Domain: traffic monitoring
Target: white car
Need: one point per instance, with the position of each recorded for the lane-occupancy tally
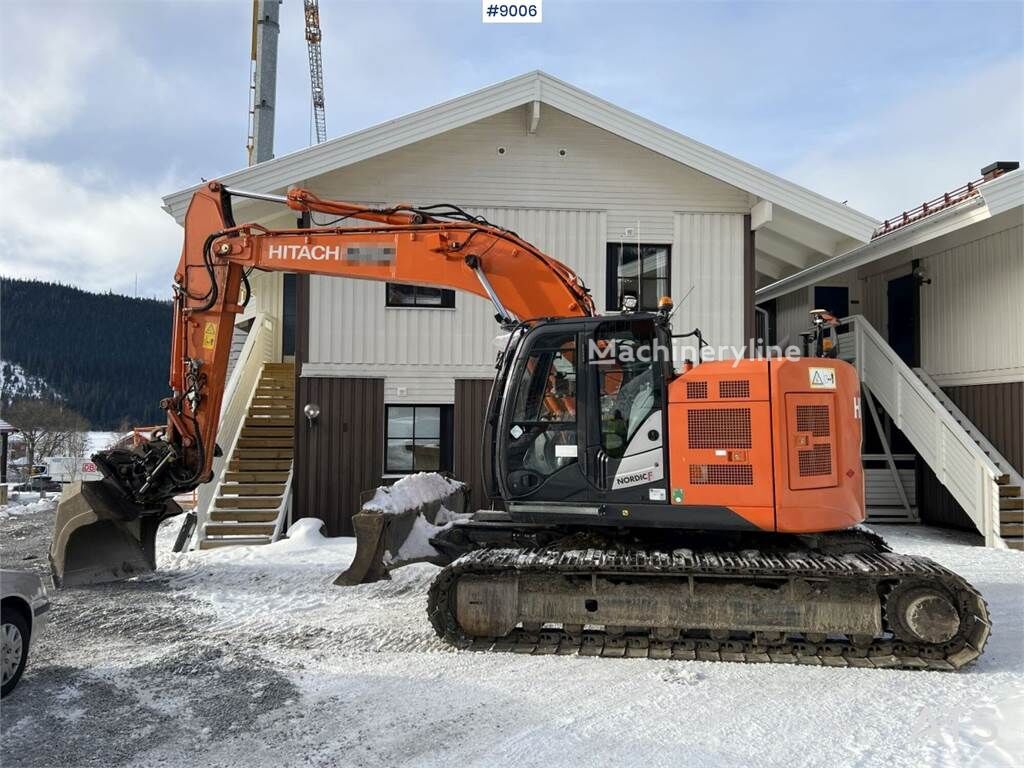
(23, 610)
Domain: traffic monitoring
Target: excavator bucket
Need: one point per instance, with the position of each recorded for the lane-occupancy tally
(394, 527)
(100, 536)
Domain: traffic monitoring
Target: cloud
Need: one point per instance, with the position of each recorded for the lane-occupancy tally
(43, 99)
(84, 230)
(915, 149)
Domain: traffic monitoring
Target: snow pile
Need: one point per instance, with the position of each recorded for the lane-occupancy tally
(412, 492)
(26, 504)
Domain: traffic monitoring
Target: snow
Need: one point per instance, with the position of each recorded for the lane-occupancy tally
(25, 503)
(367, 658)
(15, 382)
(411, 492)
(100, 441)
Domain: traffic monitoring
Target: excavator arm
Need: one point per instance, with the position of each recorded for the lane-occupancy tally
(106, 528)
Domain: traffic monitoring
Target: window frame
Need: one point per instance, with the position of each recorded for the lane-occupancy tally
(613, 258)
(445, 438)
(447, 297)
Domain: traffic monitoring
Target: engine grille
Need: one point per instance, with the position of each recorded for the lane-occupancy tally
(813, 419)
(714, 428)
(721, 474)
(697, 390)
(739, 388)
(817, 461)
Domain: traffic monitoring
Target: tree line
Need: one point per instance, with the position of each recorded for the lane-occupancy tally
(102, 356)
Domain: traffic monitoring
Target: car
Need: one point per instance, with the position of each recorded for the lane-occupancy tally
(38, 483)
(24, 605)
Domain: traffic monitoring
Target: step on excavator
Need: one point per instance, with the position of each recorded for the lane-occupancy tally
(706, 511)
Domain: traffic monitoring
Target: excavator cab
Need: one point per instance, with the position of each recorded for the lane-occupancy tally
(577, 415)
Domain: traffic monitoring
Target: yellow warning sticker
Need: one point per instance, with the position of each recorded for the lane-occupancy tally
(822, 378)
(209, 335)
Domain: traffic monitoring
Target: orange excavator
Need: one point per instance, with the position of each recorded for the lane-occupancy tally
(705, 511)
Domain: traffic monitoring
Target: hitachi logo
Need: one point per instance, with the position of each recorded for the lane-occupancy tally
(371, 253)
(309, 252)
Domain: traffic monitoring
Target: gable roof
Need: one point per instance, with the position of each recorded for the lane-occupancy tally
(843, 223)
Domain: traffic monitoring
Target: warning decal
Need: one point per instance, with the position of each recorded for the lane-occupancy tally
(209, 335)
(822, 378)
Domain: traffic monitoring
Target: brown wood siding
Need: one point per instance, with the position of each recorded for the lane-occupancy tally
(342, 453)
(998, 411)
(471, 397)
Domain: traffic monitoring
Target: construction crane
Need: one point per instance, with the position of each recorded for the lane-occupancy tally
(316, 67)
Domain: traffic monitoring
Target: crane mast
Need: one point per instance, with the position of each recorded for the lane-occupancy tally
(316, 67)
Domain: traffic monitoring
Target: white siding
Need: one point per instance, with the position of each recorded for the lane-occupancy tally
(352, 333)
(268, 298)
(792, 316)
(972, 313)
(708, 255)
(570, 206)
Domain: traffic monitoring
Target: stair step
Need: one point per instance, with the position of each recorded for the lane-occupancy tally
(247, 464)
(240, 529)
(262, 419)
(1011, 529)
(249, 476)
(259, 454)
(1011, 516)
(1006, 504)
(268, 433)
(1015, 543)
(1002, 480)
(1009, 490)
(283, 441)
(252, 489)
(244, 515)
(247, 502)
(234, 542)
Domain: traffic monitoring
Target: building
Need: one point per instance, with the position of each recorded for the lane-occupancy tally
(940, 288)
(399, 375)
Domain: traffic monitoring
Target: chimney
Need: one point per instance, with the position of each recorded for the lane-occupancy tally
(998, 168)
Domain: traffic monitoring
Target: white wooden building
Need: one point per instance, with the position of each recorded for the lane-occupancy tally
(938, 332)
(584, 179)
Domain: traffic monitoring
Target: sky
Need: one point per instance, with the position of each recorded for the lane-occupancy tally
(105, 107)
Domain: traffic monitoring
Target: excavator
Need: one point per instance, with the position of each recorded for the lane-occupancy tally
(700, 509)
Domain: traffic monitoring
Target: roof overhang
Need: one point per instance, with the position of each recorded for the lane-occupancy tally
(994, 197)
(797, 227)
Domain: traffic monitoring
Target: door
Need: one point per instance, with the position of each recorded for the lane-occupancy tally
(538, 448)
(903, 318)
(625, 446)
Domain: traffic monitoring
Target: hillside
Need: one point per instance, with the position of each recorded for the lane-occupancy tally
(102, 354)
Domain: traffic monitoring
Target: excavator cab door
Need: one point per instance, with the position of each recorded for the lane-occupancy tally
(538, 437)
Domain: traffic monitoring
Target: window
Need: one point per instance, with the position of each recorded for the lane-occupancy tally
(542, 436)
(627, 385)
(402, 295)
(419, 438)
(640, 270)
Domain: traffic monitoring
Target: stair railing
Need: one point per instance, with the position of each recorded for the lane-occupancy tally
(958, 462)
(257, 350)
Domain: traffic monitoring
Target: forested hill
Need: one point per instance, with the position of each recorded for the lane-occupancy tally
(105, 355)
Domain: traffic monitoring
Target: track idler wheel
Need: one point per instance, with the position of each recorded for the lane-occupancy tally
(923, 614)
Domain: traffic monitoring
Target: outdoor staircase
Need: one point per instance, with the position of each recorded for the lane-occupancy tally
(1009, 481)
(252, 497)
(982, 481)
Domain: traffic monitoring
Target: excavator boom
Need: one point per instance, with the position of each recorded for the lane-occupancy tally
(105, 528)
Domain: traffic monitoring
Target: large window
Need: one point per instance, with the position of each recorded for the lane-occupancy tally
(419, 439)
(640, 270)
(402, 295)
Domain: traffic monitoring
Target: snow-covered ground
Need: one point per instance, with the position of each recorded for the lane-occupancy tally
(251, 656)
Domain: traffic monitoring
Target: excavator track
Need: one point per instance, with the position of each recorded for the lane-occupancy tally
(898, 589)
